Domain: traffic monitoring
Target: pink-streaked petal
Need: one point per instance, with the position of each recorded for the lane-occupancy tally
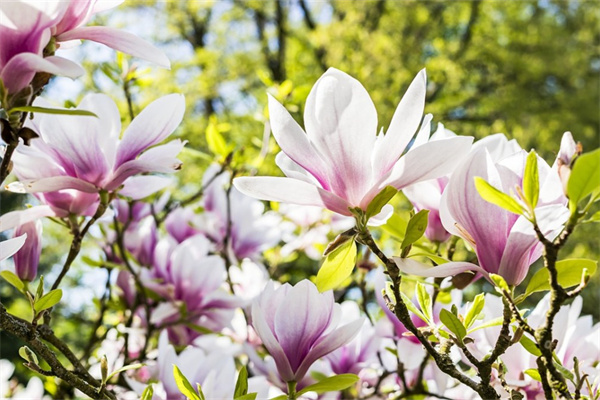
(162, 159)
(11, 246)
(138, 187)
(76, 14)
(157, 121)
(289, 190)
(341, 123)
(13, 219)
(414, 267)
(52, 184)
(334, 340)
(498, 146)
(423, 134)
(381, 218)
(517, 253)
(19, 71)
(293, 170)
(294, 142)
(403, 126)
(119, 40)
(301, 319)
(429, 161)
(263, 330)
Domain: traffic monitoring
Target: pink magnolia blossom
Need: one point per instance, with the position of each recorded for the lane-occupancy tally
(76, 157)
(298, 325)
(341, 162)
(28, 258)
(11, 246)
(27, 29)
(505, 243)
(568, 151)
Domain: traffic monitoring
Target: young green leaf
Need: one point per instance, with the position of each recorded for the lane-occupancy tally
(241, 386)
(48, 300)
(247, 396)
(415, 228)
(13, 279)
(148, 393)
(39, 293)
(331, 384)
(45, 110)
(534, 374)
(488, 324)
(494, 196)
(584, 178)
(396, 225)
(530, 346)
(411, 307)
(531, 180)
(185, 387)
(453, 324)
(216, 142)
(125, 368)
(337, 267)
(569, 272)
(499, 282)
(424, 299)
(435, 258)
(474, 310)
(380, 200)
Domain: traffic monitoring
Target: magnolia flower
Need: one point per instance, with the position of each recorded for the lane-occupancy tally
(185, 275)
(298, 325)
(30, 31)
(512, 245)
(340, 162)
(564, 160)
(11, 246)
(28, 258)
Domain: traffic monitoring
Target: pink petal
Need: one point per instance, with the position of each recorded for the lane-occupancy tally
(413, 267)
(403, 126)
(20, 217)
(138, 187)
(157, 121)
(11, 246)
(52, 184)
(119, 40)
(293, 170)
(19, 71)
(294, 142)
(341, 123)
(289, 190)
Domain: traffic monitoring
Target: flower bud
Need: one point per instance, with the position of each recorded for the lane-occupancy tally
(27, 259)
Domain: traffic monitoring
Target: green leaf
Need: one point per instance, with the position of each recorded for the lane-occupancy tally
(337, 267)
(28, 355)
(247, 396)
(148, 393)
(241, 386)
(411, 307)
(530, 346)
(185, 387)
(331, 384)
(48, 300)
(216, 142)
(452, 322)
(534, 373)
(125, 368)
(594, 218)
(396, 224)
(531, 180)
(39, 293)
(424, 299)
(474, 310)
(13, 279)
(488, 324)
(499, 282)
(584, 178)
(496, 197)
(380, 200)
(415, 228)
(569, 274)
(45, 110)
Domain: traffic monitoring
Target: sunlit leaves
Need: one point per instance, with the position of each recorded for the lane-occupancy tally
(331, 384)
(337, 267)
(570, 273)
(495, 196)
(584, 178)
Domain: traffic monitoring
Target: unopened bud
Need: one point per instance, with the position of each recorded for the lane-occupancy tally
(104, 368)
(28, 355)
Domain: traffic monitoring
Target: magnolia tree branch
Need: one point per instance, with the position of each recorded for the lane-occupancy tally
(30, 335)
(442, 358)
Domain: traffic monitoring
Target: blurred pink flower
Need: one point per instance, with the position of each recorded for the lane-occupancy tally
(28, 29)
(28, 258)
(298, 325)
(341, 162)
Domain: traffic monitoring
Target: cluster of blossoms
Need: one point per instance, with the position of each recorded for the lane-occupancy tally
(193, 277)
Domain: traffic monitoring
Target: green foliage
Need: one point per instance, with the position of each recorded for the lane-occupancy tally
(531, 180)
(45, 110)
(380, 200)
(453, 324)
(185, 387)
(338, 266)
(585, 177)
(497, 197)
(425, 302)
(415, 229)
(13, 279)
(48, 300)
(570, 273)
(474, 310)
(331, 384)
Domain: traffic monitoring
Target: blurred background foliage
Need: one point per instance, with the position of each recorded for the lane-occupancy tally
(529, 69)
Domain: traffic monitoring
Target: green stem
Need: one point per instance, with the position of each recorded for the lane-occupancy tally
(291, 390)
